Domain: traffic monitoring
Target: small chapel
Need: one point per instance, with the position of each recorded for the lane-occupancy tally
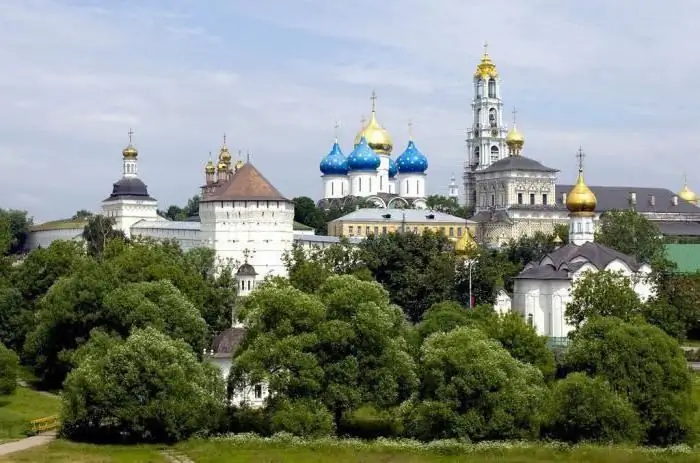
(543, 289)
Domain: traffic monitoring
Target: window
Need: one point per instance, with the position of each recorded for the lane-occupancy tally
(579, 228)
(248, 285)
(258, 391)
(367, 230)
(459, 232)
(493, 200)
(442, 230)
(370, 184)
(494, 153)
(383, 230)
(520, 198)
(376, 230)
(359, 184)
(492, 88)
(417, 188)
(452, 231)
(407, 189)
(544, 199)
(381, 182)
(350, 229)
(529, 319)
(532, 198)
(332, 189)
(242, 285)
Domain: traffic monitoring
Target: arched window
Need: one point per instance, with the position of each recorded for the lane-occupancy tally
(332, 188)
(477, 155)
(407, 188)
(494, 153)
(480, 88)
(417, 187)
(492, 88)
(529, 319)
(359, 184)
(370, 184)
(492, 117)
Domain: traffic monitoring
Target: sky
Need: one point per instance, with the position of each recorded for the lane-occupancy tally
(616, 78)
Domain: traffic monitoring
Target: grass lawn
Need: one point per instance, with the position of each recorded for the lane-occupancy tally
(67, 452)
(17, 410)
(230, 452)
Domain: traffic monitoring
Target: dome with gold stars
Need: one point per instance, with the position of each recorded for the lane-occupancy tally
(378, 138)
(687, 194)
(581, 200)
(486, 68)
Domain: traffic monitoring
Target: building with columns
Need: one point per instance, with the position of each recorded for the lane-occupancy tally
(543, 289)
(370, 172)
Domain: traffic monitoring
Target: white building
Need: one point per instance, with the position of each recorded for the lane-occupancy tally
(543, 289)
(370, 172)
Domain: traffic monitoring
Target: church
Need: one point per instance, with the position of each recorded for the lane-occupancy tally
(513, 195)
(543, 289)
(369, 171)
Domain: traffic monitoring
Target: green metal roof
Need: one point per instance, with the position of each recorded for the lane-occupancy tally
(685, 256)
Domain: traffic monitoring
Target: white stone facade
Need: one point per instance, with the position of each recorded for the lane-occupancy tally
(127, 212)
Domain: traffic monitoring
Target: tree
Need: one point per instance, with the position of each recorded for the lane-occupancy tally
(644, 365)
(98, 232)
(472, 388)
(587, 409)
(82, 214)
(306, 212)
(148, 388)
(676, 305)
(308, 269)
(529, 248)
(491, 271)
(633, 234)
(191, 209)
(602, 293)
(19, 224)
(418, 270)
(9, 369)
(447, 205)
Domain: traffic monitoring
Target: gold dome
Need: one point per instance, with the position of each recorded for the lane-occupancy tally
(466, 243)
(687, 194)
(239, 164)
(557, 240)
(486, 68)
(209, 168)
(222, 166)
(515, 140)
(224, 154)
(377, 137)
(581, 200)
(130, 152)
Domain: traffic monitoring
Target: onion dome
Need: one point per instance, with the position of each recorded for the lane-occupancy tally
(246, 270)
(130, 152)
(465, 244)
(224, 154)
(581, 200)
(687, 194)
(412, 161)
(209, 168)
(515, 140)
(557, 240)
(222, 166)
(363, 157)
(377, 137)
(393, 168)
(239, 164)
(335, 162)
(486, 68)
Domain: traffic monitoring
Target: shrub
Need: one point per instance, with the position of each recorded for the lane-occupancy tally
(9, 369)
(587, 409)
(369, 423)
(302, 417)
(245, 420)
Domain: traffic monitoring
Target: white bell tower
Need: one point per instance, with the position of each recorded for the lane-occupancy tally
(486, 139)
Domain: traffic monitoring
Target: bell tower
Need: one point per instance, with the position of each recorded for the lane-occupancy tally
(486, 139)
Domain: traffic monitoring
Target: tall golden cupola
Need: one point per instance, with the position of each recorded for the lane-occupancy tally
(580, 200)
(224, 154)
(209, 167)
(130, 152)
(486, 68)
(515, 139)
(687, 194)
(377, 137)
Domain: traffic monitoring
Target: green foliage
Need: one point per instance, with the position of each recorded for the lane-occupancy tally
(82, 214)
(491, 272)
(528, 249)
(309, 268)
(98, 232)
(644, 365)
(602, 294)
(148, 388)
(587, 409)
(14, 223)
(632, 234)
(301, 417)
(306, 212)
(447, 205)
(472, 388)
(191, 209)
(9, 369)
(369, 422)
(676, 307)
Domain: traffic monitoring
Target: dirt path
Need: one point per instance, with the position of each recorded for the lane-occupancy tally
(28, 443)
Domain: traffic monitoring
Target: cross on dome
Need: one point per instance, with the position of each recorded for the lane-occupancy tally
(515, 113)
(131, 134)
(374, 100)
(580, 155)
(410, 130)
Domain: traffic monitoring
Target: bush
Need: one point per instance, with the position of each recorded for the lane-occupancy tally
(149, 388)
(302, 417)
(369, 423)
(9, 369)
(587, 409)
(246, 420)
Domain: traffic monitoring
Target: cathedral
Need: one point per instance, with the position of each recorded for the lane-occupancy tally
(513, 195)
(369, 171)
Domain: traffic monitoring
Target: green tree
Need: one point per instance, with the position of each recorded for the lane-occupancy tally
(177, 213)
(98, 232)
(472, 388)
(602, 294)
(529, 248)
(82, 214)
(19, 224)
(633, 234)
(587, 409)
(148, 388)
(16, 317)
(306, 212)
(447, 205)
(9, 369)
(491, 272)
(644, 365)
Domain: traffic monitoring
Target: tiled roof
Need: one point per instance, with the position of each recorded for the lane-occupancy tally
(226, 342)
(246, 184)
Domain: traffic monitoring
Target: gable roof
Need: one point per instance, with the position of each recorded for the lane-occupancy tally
(617, 197)
(247, 183)
(517, 163)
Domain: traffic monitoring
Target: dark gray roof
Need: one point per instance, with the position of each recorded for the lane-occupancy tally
(495, 215)
(517, 163)
(246, 270)
(129, 188)
(562, 261)
(226, 342)
(679, 228)
(617, 197)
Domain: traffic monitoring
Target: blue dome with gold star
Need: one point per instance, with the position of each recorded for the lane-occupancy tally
(335, 162)
(412, 161)
(393, 170)
(363, 157)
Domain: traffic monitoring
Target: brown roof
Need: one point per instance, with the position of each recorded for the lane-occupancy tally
(226, 342)
(246, 184)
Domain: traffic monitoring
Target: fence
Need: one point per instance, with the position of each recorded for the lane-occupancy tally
(45, 424)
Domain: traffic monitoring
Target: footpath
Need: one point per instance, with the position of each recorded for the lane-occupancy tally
(28, 443)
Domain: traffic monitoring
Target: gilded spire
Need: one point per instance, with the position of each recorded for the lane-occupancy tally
(486, 68)
(224, 154)
(515, 139)
(377, 137)
(686, 193)
(130, 152)
(581, 200)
